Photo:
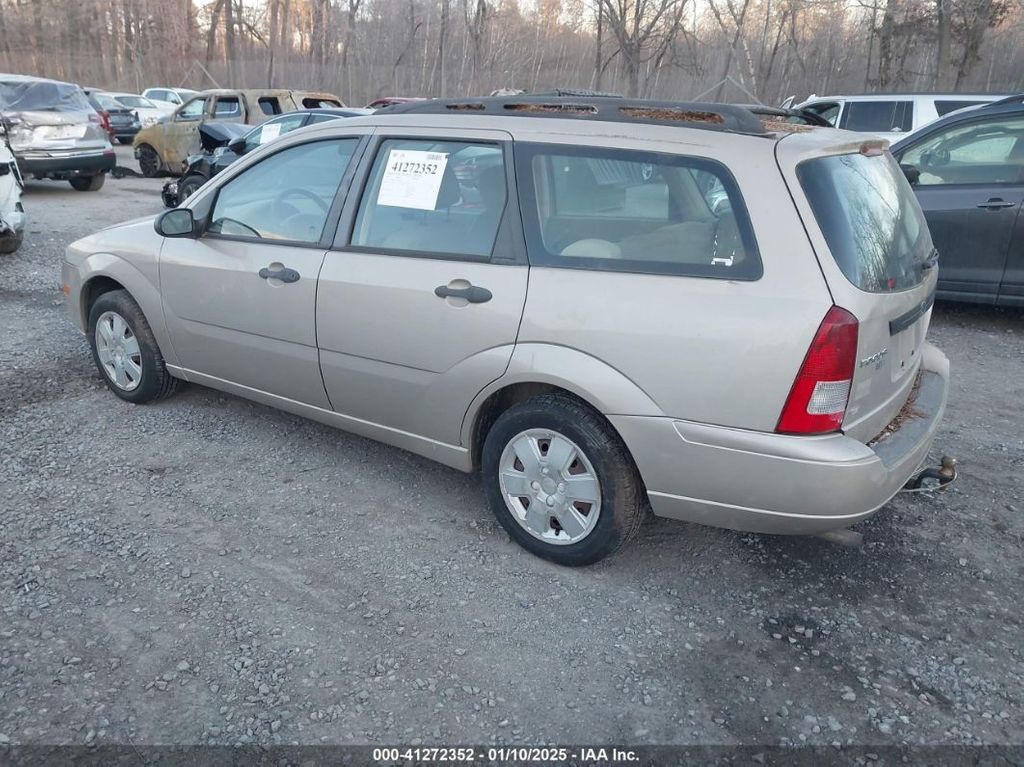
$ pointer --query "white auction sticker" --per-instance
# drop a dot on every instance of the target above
(412, 179)
(270, 132)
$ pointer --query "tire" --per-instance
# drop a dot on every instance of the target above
(153, 382)
(88, 183)
(188, 186)
(11, 244)
(573, 428)
(149, 161)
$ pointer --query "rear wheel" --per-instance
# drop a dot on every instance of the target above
(125, 351)
(188, 186)
(560, 480)
(88, 183)
(149, 161)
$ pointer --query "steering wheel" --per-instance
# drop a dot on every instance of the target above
(297, 191)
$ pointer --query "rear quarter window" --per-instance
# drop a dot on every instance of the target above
(870, 218)
(631, 211)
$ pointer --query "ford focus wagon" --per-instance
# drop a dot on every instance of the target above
(604, 306)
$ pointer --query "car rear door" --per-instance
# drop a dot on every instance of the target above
(421, 296)
(876, 254)
(970, 185)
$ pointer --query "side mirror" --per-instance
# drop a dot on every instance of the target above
(237, 145)
(912, 173)
(177, 222)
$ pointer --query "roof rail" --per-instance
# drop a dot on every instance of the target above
(575, 93)
(718, 117)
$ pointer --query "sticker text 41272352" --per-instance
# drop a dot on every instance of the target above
(412, 179)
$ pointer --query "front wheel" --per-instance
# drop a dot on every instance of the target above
(125, 350)
(560, 481)
(11, 244)
(149, 161)
(88, 183)
(188, 186)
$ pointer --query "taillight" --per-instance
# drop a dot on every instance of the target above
(817, 402)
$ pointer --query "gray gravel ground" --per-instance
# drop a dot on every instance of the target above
(208, 570)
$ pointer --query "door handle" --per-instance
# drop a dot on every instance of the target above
(995, 203)
(284, 274)
(474, 294)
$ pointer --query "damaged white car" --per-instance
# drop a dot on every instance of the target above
(12, 214)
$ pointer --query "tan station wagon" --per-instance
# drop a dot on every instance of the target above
(604, 306)
(167, 145)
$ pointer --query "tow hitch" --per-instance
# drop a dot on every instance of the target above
(932, 478)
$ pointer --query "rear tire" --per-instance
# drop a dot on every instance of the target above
(125, 350)
(576, 451)
(149, 161)
(88, 183)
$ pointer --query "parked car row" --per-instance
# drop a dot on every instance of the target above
(166, 146)
(224, 142)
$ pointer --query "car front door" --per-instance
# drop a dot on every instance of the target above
(239, 300)
(970, 186)
(179, 136)
(421, 296)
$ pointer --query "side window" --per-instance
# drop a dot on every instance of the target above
(944, 107)
(617, 210)
(312, 102)
(272, 129)
(985, 152)
(193, 110)
(433, 197)
(286, 196)
(828, 110)
(269, 105)
(227, 108)
(878, 116)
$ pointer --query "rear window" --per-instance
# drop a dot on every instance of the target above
(878, 116)
(870, 218)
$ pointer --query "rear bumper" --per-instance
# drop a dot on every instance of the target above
(66, 165)
(774, 483)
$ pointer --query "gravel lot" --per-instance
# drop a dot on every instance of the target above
(207, 570)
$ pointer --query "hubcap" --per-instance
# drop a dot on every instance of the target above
(118, 351)
(550, 486)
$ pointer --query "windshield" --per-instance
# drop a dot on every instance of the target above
(870, 218)
(42, 96)
(107, 102)
(135, 102)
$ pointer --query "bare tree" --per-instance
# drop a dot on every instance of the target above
(643, 30)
